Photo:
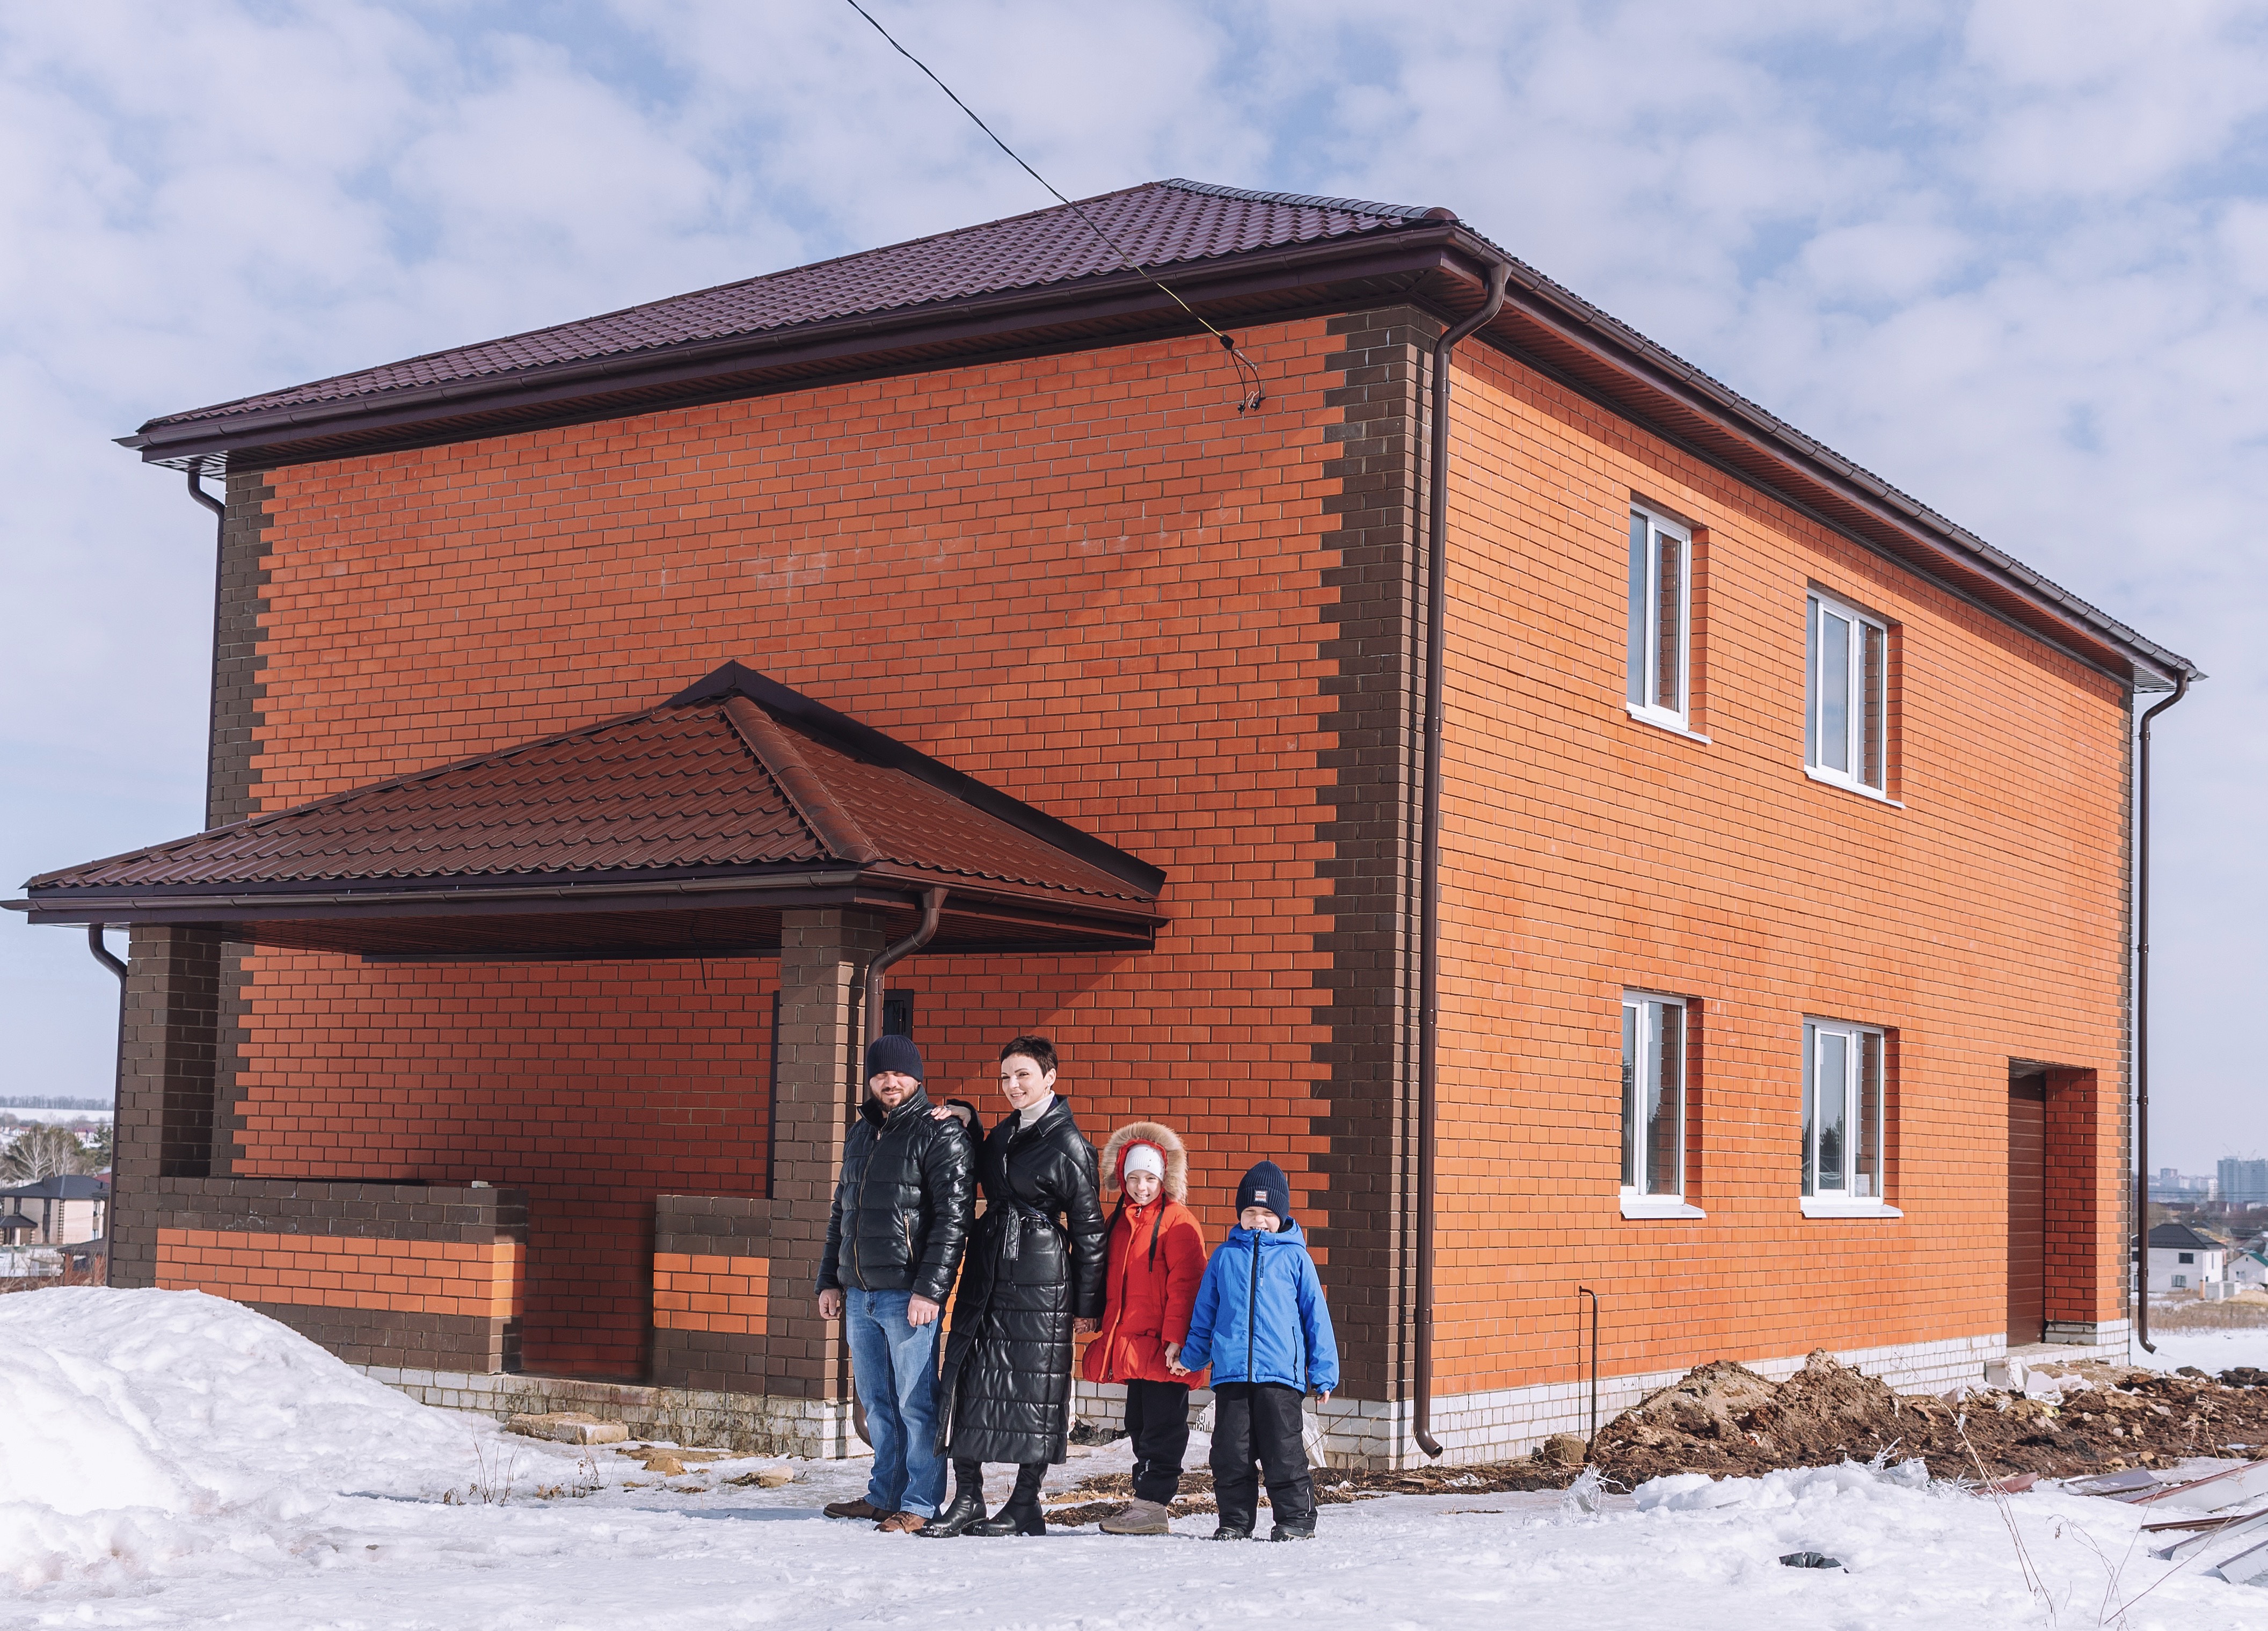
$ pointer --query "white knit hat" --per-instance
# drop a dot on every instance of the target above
(1142, 1158)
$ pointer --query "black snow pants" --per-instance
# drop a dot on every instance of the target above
(1158, 1423)
(1259, 1421)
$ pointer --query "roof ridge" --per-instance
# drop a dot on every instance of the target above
(772, 746)
(1303, 200)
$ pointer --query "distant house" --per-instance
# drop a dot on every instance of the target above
(2183, 1259)
(71, 1208)
(2248, 1266)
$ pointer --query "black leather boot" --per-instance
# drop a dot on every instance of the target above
(1022, 1515)
(968, 1508)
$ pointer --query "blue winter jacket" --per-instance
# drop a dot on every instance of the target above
(1260, 1315)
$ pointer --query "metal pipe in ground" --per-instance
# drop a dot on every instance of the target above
(1591, 1439)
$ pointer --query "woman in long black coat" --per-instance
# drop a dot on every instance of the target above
(1034, 1276)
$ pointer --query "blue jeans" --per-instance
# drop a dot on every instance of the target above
(895, 1365)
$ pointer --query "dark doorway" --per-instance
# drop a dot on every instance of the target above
(2027, 1218)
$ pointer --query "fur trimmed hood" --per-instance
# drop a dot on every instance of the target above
(1169, 1144)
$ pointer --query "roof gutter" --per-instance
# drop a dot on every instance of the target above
(219, 507)
(2142, 1023)
(1429, 921)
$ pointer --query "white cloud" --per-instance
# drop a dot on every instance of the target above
(2012, 254)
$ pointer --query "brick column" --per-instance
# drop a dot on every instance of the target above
(2087, 1249)
(823, 957)
(169, 1049)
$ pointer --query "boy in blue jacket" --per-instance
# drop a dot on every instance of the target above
(1262, 1324)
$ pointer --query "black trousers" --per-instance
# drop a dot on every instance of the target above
(1158, 1423)
(1259, 1421)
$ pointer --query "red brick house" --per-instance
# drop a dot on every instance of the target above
(610, 722)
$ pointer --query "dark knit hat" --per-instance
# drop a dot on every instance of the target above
(1265, 1186)
(898, 1053)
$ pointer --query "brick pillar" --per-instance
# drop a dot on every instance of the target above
(169, 1048)
(2087, 1250)
(823, 957)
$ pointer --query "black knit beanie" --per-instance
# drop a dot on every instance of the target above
(1265, 1185)
(898, 1053)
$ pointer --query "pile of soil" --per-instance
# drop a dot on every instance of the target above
(1721, 1418)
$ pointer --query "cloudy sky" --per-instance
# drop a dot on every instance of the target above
(2012, 255)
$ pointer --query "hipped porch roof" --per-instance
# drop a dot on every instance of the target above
(683, 830)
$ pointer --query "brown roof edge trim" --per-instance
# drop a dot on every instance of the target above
(1413, 247)
(1578, 324)
(776, 750)
(864, 741)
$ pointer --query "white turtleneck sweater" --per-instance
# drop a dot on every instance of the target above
(1030, 1114)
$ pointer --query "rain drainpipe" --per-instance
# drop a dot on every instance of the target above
(109, 960)
(1429, 909)
(932, 908)
(212, 707)
(2142, 1024)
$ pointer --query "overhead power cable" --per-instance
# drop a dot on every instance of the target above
(1251, 392)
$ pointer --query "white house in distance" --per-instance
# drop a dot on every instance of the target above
(69, 1210)
(2181, 1259)
(2248, 1266)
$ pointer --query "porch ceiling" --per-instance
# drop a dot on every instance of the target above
(683, 830)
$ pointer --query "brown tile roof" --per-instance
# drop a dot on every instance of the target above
(713, 782)
(1161, 224)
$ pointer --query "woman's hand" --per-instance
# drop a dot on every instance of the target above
(1086, 1327)
(939, 1112)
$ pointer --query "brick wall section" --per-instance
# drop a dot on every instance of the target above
(237, 689)
(332, 1271)
(1586, 852)
(2088, 1248)
(1087, 581)
(1374, 636)
(712, 1286)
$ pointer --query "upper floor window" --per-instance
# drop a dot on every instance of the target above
(1843, 1110)
(1660, 603)
(1653, 1105)
(1846, 713)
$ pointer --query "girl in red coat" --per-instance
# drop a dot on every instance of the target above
(1157, 1257)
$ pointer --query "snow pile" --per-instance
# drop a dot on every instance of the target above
(1698, 1491)
(143, 1425)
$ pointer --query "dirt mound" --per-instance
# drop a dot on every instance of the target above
(1722, 1419)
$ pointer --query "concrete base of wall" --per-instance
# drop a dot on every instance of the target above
(753, 1424)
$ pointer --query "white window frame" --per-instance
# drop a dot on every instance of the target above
(1643, 690)
(1645, 1048)
(1856, 1168)
(1822, 742)
(2181, 1282)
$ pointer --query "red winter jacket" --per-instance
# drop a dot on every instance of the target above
(1157, 1257)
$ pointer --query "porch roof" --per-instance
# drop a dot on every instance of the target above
(683, 830)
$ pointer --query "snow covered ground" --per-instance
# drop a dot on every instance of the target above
(2211, 1351)
(171, 1459)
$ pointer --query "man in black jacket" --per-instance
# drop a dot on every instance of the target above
(901, 1220)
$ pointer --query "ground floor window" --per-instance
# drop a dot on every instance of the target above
(1653, 1096)
(1844, 1104)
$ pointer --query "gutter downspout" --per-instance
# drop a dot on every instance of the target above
(2142, 1024)
(1429, 917)
(109, 960)
(932, 908)
(212, 705)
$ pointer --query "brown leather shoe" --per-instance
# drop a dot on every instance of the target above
(902, 1523)
(862, 1508)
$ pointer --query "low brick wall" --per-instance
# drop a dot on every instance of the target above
(379, 1273)
(711, 1269)
(751, 1424)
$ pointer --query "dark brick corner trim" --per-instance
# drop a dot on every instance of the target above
(1374, 638)
(238, 691)
(352, 1211)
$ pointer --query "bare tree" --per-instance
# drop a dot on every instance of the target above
(42, 1151)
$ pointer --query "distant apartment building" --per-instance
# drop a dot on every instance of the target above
(2173, 1185)
(2243, 1182)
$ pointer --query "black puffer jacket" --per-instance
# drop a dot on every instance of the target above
(903, 1204)
(1035, 1264)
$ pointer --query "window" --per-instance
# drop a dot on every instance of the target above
(2181, 1281)
(1660, 598)
(2186, 1257)
(1846, 713)
(1843, 1110)
(1653, 1107)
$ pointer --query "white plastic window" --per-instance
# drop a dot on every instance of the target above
(1842, 1112)
(1847, 711)
(1661, 601)
(1653, 1096)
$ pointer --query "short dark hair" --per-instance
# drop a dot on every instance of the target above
(1038, 1049)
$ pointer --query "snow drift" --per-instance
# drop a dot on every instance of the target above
(140, 1423)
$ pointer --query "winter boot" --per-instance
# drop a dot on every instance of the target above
(1140, 1518)
(1294, 1528)
(1234, 1526)
(1022, 1515)
(968, 1507)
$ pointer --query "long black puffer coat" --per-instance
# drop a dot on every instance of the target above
(903, 1204)
(1035, 1263)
